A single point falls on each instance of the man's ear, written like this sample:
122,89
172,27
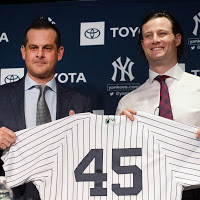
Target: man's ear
178,39
60,53
23,52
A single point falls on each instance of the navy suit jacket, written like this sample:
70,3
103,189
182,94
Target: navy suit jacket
12,116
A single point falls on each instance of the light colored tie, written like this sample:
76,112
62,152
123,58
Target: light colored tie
43,114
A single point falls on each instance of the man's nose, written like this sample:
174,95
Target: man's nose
156,38
40,53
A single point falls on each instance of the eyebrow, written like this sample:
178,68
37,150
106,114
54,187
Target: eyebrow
46,45
159,30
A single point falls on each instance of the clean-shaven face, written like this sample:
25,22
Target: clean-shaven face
159,43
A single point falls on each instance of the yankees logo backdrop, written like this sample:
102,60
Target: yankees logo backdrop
102,58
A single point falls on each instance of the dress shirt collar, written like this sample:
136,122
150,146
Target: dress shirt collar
29,83
175,72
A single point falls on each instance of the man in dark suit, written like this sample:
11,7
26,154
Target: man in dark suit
18,103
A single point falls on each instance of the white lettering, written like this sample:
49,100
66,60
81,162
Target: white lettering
55,75
195,71
62,77
124,31
133,31
4,37
81,77
72,77
114,31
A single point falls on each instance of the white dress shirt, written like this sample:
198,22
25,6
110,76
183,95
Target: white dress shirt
184,91
31,97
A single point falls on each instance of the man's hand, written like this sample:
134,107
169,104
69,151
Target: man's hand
7,137
71,112
129,113
198,133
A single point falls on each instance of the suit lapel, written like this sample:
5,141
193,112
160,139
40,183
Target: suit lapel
63,99
64,96
17,101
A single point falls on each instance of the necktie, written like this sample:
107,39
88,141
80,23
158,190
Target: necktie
165,109
43,115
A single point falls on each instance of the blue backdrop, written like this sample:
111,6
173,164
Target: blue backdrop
102,58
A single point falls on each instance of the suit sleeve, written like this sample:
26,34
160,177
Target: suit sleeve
81,104
88,107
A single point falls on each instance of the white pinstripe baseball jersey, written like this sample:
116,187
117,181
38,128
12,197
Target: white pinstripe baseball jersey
94,157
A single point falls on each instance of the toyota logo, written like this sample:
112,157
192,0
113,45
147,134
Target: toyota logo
92,33
11,78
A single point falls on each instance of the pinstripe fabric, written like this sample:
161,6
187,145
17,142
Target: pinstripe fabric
106,148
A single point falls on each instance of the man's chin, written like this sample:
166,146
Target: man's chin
157,57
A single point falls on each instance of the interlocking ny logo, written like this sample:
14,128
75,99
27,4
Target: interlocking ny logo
118,65
92,33
197,21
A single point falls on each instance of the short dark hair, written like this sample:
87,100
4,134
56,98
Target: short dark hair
43,23
176,28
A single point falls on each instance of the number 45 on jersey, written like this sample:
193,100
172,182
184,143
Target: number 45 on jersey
98,177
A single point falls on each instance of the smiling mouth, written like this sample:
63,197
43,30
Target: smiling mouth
157,48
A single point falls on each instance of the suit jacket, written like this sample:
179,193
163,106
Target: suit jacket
12,116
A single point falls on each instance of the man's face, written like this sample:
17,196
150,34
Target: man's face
41,53
159,43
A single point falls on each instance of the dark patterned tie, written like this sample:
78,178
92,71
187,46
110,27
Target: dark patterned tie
165,109
43,115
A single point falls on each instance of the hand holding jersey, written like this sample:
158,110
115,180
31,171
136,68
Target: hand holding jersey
71,112
198,133
129,113
7,137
